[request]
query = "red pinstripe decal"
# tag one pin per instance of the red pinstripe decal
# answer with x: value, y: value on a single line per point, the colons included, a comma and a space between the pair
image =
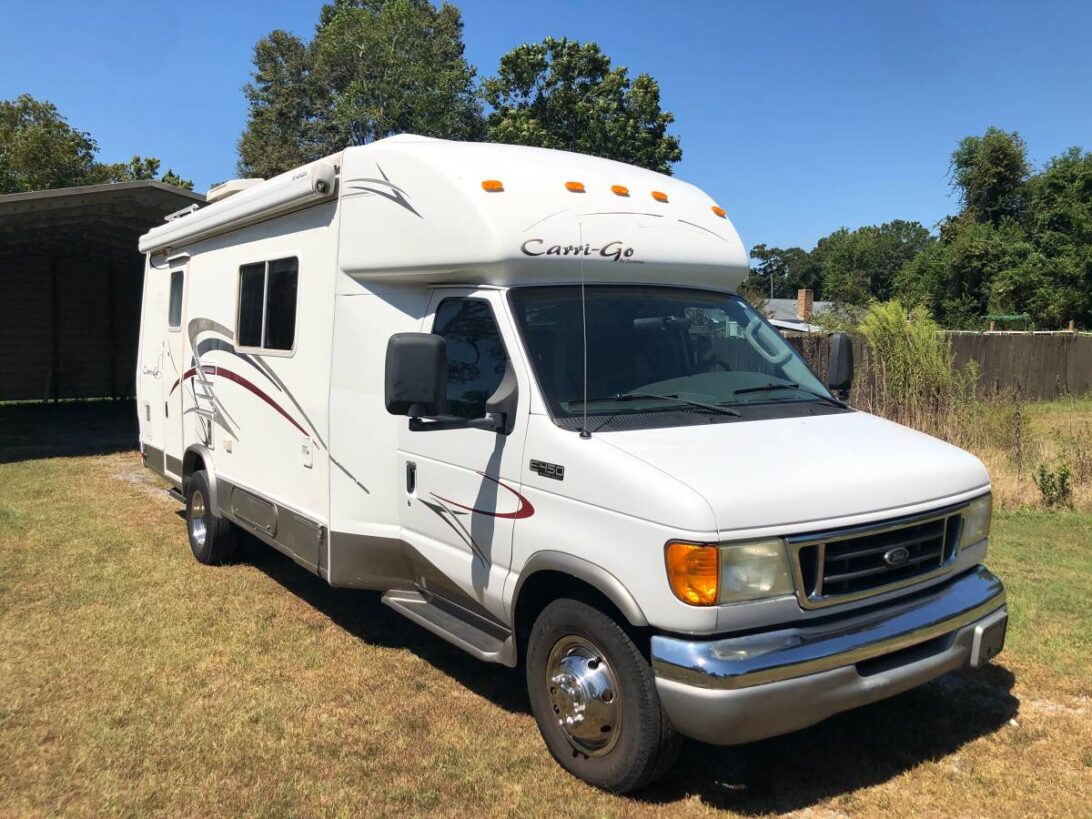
x: 524, y: 510
x: 212, y: 369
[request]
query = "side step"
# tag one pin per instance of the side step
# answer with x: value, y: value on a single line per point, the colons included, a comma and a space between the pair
x: 178, y: 496
x: 457, y: 630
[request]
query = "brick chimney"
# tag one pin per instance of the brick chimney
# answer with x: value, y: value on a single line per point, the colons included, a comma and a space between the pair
x: 804, y: 301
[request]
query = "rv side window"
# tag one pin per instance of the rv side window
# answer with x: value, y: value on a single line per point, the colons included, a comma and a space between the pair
x: 174, y: 313
x: 267, y: 304
x: 476, y: 359
x: 280, y: 304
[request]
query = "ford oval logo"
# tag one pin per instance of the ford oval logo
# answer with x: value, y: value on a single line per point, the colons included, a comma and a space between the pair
x: 896, y: 556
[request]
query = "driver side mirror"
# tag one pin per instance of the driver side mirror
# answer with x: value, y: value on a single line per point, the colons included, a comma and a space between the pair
x: 416, y: 375
x: 840, y: 365
x: 415, y: 385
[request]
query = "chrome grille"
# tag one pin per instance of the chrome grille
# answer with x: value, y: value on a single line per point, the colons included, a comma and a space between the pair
x: 846, y: 564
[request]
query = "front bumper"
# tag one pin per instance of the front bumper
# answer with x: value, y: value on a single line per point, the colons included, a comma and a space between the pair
x: 740, y: 689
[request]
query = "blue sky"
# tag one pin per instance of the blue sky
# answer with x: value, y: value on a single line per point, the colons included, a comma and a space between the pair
x: 798, y: 117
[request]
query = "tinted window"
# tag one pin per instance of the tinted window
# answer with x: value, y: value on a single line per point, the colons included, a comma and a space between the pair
x: 174, y: 314
x: 267, y: 304
x: 251, y: 300
x: 280, y: 305
x: 650, y: 347
x: 475, y: 354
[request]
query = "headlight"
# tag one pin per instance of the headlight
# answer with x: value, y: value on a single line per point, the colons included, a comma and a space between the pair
x: 704, y: 574
x: 753, y: 570
x: 976, y: 521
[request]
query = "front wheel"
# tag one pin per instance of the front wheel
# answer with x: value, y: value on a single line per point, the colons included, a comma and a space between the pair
x: 594, y: 698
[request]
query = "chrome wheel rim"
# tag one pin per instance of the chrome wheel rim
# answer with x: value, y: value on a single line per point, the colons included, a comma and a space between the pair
x: 197, y: 517
x: 584, y: 694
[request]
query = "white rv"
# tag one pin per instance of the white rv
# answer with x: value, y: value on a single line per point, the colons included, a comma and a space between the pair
x: 513, y: 390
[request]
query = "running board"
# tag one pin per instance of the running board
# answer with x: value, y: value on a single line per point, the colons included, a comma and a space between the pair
x: 457, y: 630
x: 178, y: 496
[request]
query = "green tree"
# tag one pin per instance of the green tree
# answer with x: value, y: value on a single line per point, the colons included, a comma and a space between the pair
x: 137, y: 168
x: 862, y: 264
x: 788, y: 270
x: 990, y: 172
x: 374, y: 68
x: 397, y: 67
x: 565, y: 94
x: 288, y: 123
x: 39, y: 149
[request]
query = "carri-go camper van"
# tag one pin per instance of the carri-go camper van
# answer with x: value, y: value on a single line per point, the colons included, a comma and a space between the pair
x: 512, y: 389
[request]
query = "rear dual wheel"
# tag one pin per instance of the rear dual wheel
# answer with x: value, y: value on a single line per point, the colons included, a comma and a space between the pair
x: 213, y: 539
x: 594, y: 698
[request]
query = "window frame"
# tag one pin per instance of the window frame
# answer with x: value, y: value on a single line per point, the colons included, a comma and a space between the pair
x: 176, y: 328
x: 265, y: 261
x: 492, y: 314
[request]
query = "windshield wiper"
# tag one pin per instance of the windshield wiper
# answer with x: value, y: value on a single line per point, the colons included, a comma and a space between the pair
x: 789, y: 385
x: 784, y: 385
x: 634, y: 396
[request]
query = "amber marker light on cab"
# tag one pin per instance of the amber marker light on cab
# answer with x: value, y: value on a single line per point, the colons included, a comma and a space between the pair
x: 492, y: 185
x: 659, y: 196
x: 693, y: 571
x: 619, y: 190
x: 719, y: 211
x: 575, y: 187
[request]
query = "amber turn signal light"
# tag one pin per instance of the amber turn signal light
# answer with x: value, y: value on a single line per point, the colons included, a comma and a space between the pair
x: 492, y: 185
x: 719, y: 211
x: 575, y: 187
x: 659, y: 196
x: 693, y: 572
x: 620, y: 190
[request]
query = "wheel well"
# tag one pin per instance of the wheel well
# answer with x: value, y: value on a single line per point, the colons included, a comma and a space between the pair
x: 543, y: 587
x: 191, y: 462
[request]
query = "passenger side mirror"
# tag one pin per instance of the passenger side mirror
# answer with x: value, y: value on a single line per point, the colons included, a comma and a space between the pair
x: 840, y: 366
x: 416, y: 375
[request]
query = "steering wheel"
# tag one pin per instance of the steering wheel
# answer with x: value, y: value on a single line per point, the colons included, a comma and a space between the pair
x: 752, y: 336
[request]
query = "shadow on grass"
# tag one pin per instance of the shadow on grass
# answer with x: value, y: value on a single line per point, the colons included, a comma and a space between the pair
x: 845, y: 753
x: 38, y: 430
x: 850, y: 751
x: 363, y: 615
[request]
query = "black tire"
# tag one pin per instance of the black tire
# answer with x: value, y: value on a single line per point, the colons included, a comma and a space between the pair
x: 213, y: 540
x: 635, y: 741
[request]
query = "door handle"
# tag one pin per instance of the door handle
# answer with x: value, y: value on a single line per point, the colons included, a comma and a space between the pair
x: 411, y: 477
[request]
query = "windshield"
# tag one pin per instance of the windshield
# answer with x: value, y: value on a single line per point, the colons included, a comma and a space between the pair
x: 655, y: 349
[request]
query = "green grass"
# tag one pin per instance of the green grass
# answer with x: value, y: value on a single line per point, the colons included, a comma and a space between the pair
x: 1045, y: 560
x: 134, y: 680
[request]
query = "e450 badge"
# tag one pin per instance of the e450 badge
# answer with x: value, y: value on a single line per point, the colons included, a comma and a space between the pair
x: 547, y: 470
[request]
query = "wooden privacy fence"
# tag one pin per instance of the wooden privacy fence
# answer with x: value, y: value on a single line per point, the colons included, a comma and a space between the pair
x: 1041, y: 366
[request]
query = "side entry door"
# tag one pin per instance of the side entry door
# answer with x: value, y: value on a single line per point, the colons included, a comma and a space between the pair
x: 462, y: 486
x: 174, y: 369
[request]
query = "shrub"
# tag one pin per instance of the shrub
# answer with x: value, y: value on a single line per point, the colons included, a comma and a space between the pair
x: 1054, y: 484
x: 908, y: 374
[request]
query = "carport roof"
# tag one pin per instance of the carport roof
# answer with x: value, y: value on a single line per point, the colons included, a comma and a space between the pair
x: 110, y: 217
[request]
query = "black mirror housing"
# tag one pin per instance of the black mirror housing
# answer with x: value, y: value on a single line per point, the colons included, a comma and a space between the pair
x: 840, y: 366
x: 416, y: 375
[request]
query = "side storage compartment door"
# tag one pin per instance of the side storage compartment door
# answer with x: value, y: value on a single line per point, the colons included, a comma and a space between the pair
x: 461, y: 487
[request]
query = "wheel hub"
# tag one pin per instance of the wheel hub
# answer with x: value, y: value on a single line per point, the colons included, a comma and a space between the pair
x: 584, y: 695
x: 197, y: 517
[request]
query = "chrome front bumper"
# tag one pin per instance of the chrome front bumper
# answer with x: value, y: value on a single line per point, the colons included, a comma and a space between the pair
x: 740, y: 689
